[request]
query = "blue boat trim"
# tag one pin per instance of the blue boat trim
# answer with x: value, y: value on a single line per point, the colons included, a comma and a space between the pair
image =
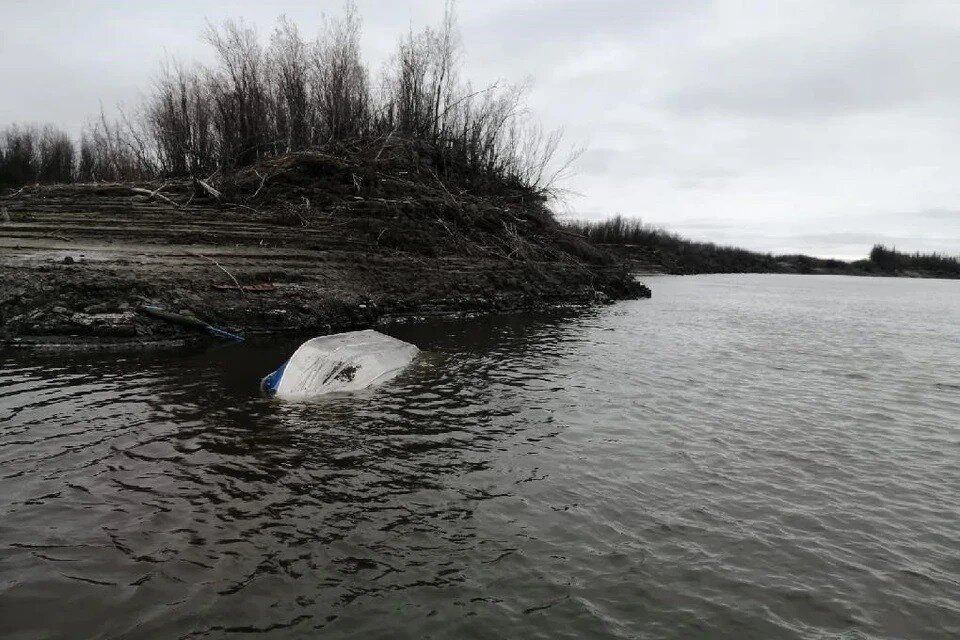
x: 220, y: 333
x: 271, y: 382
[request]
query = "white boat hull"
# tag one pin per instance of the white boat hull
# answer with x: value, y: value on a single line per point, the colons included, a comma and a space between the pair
x: 341, y: 362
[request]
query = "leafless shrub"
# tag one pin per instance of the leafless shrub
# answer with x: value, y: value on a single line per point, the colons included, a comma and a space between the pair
x: 237, y: 89
x: 290, y: 59
x: 18, y: 156
x: 295, y: 94
x: 341, y: 85
x: 179, y: 119
x: 55, y: 156
x: 113, y: 152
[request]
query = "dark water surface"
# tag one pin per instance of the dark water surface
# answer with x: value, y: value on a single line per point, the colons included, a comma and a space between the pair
x: 739, y: 457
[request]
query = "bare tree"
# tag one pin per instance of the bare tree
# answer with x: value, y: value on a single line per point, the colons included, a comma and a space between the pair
x: 55, y: 156
x: 179, y: 118
x: 290, y: 60
x: 109, y: 152
x: 35, y: 154
x: 341, y: 85
x: 17, y: 156
x: 237, y: 89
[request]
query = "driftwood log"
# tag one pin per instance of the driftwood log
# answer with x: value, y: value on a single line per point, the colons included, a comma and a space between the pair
x: 155, y: 195
x: 206, y: 187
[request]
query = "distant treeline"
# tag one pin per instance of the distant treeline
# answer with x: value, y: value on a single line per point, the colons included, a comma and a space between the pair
x: 684, y: 255
x: 37, y: 154
x: 290, y: 94
x: 893, y: 261
x: 656, y: 248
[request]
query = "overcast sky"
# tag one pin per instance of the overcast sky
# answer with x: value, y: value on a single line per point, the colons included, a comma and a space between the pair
x: 819, y: 126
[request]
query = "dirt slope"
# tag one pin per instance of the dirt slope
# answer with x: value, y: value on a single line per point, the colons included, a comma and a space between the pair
x: 326, y: 244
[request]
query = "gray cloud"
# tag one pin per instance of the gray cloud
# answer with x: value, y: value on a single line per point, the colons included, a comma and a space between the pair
x: 793, y: 77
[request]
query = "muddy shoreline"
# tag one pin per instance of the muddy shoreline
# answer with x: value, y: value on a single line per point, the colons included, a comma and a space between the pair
x: 78, y: 263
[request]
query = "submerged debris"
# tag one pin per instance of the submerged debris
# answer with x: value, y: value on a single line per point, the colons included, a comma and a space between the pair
x: 188, y: 321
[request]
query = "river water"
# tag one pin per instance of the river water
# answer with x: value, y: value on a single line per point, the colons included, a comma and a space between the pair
x: 739, y: 457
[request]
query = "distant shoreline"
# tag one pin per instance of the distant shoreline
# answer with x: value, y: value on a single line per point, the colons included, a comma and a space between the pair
x: 644, y: 261
x: 652, y: 250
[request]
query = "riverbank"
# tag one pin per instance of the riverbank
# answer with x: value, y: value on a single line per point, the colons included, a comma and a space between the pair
x: 307, y: 242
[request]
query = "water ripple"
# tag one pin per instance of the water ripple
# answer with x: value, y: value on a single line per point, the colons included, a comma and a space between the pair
x: 740, y: 457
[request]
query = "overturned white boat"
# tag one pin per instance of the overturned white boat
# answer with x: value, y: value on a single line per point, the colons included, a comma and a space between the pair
x: 340, y: 362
